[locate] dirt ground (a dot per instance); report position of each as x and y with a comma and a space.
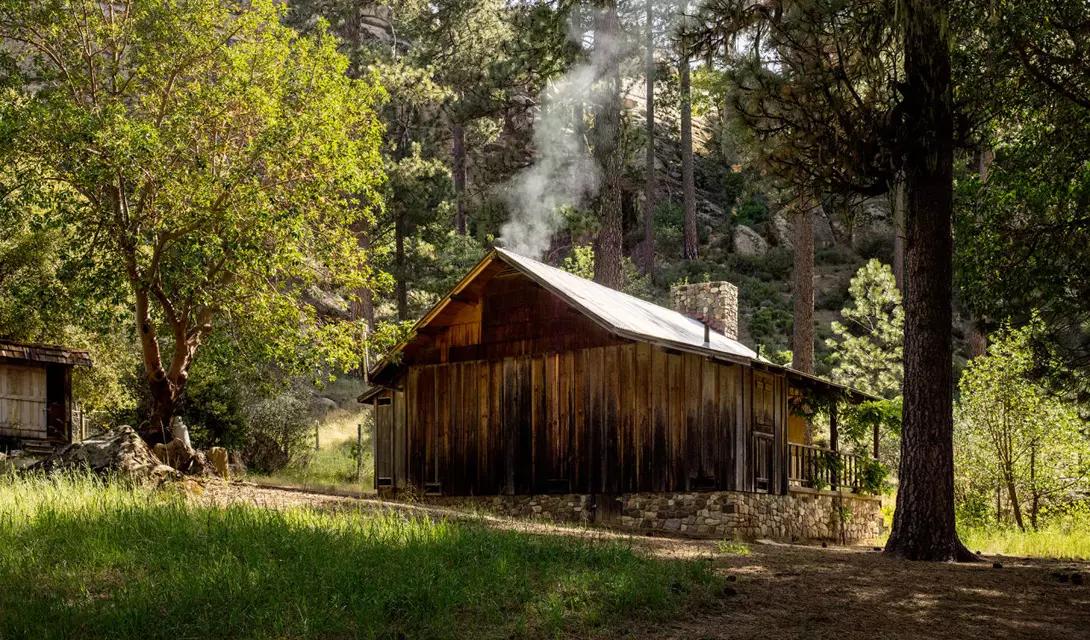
794, 591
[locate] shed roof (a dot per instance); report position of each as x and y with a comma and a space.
623, 315
45, 353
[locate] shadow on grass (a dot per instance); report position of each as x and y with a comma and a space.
135, 565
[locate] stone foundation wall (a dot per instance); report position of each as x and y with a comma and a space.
803, 514
800, 515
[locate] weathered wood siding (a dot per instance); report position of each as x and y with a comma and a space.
621, 418
23, 404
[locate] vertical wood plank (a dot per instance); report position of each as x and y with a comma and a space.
676, 371
510, 423
660, 387
525, 459
644, 435
628, 442
609, 380
540, 426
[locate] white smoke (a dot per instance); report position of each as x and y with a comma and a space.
564, 173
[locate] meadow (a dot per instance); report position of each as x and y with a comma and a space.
84, 558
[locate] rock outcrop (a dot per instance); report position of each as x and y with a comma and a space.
748, 242
118, 451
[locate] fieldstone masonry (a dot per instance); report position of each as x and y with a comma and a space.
713, 303
803, 514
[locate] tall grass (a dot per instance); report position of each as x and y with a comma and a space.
83, 558
1065, 540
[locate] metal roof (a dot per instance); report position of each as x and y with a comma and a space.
625, 314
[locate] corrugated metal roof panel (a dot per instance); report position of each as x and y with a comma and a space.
624, 313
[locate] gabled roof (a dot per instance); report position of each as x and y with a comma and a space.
623, 315
46, 353
626, 315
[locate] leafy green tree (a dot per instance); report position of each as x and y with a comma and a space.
1013, 437
219, 159
868, 349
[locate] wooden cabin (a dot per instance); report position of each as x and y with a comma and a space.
36, 407
526, 379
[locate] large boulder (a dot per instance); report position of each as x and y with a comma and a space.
748, 242
117, 451
823, 229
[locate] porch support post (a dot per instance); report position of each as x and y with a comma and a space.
876, 441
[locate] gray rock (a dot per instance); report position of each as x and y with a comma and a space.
748, 242
781, 229
823, 229
117, 451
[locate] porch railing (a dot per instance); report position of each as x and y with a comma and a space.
821, 468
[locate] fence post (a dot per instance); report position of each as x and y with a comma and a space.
359, 453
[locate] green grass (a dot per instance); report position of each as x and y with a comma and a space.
81, 558
1068, 541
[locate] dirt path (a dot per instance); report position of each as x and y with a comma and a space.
783, 591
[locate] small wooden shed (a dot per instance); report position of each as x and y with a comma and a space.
526, 379
36, 404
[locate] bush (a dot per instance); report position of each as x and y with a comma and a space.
752, 211
278, 428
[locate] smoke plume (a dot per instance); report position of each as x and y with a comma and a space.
564, 173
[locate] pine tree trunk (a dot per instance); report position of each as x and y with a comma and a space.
607, 125
802, 343
459, 179
923, 524
688, 182
648, 256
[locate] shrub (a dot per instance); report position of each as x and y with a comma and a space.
732, 548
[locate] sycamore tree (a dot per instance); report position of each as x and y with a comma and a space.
869, 345
219, 160
1014, 439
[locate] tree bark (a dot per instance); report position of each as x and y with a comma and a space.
648, 257
459, 179
607, 125
923, 524
802, 343
363, 307
688, 182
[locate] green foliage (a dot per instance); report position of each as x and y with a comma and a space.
1013, 436
874, 478
248, 571
869, 348
212, 159
732, 548
771, 326
752, 211
580, 262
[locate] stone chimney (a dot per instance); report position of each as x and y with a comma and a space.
713, 303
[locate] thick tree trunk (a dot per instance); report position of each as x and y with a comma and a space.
459, 179
923, 524
802, 344
401, 289
607, 126
688, 182
648, 255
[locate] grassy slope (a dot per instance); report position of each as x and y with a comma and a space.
80, 559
